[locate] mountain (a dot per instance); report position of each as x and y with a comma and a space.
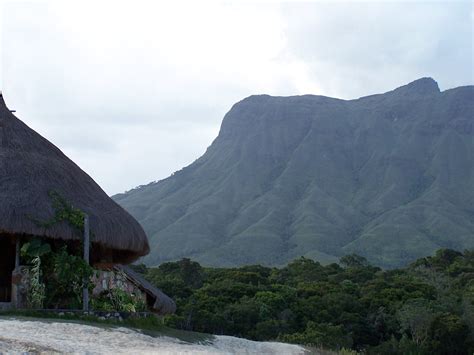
389, 177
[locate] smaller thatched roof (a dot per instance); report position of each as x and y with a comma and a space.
31, 168
162, 303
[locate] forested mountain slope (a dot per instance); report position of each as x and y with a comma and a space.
389, 177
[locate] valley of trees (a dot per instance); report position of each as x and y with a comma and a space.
425, 308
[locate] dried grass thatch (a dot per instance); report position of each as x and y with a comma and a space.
30, 168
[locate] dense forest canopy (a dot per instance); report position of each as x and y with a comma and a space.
427, 307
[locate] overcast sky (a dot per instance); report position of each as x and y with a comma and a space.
135, 90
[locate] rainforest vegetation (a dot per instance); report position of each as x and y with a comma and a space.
427, 307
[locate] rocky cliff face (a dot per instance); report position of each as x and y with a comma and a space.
387, 176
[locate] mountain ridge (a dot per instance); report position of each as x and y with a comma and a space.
292, 176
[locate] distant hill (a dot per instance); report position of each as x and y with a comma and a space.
389, 177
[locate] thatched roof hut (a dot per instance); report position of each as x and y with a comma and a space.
30, 169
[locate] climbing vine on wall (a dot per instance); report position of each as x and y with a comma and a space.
64, 212
57, 276
36, 292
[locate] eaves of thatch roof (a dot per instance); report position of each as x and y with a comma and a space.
162, 303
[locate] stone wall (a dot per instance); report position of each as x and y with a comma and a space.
20, 287
106, 280
103, 281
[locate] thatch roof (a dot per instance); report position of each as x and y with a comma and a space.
162, 304
31, 168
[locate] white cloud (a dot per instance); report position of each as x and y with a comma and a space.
133, 91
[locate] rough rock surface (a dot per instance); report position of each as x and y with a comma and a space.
19, 336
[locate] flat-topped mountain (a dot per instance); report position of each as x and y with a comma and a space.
389, 177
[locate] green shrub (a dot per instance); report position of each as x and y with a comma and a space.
119, 301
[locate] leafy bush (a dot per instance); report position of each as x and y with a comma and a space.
57, 278
119, 301
67, 276
324, 335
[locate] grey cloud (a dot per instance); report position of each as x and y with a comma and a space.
361, 48
134, 92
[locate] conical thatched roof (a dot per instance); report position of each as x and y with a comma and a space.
31, 168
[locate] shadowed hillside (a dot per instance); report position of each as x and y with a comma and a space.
389, 177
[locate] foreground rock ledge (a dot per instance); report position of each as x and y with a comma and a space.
61, 337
